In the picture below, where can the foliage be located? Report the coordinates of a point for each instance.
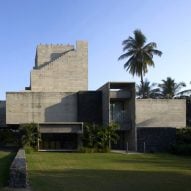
(99, 138)
(29, 135)
(8, 137)
(106, 136)
(169, 87)
(183, 142)
(29, 149)
(181, 149)
(139, 54)
(90, 135)
(150, 90)
(183, 136)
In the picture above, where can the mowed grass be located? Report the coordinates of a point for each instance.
(6, 158)
(108, 172)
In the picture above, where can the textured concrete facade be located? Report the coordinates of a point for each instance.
(161, 113)
(60, 68)
(38, 107)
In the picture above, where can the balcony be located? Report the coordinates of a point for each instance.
(120, 94)
(122, 119)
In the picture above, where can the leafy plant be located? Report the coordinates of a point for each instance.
(99, 138)
(183, 142)
(29, 135)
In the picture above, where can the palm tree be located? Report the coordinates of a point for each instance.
(170, 87)
(139, 54)
(150, 90)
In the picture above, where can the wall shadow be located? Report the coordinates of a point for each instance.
(65, 111)
(5, 163)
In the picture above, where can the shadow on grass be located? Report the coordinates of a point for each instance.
(6, 158)
(172, 162)
(109, 180)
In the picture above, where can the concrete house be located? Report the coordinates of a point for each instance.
(59, 101)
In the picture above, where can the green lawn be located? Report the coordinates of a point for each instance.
(5, 162)
(108, 172)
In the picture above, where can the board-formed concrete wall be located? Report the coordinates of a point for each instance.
(60, 68)
(39, 107)
(161, 113)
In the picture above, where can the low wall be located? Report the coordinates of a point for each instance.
(155, 139)
(18, 171)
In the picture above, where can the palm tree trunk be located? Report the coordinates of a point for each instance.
(142, 83)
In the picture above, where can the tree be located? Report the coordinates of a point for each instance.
(150, 90)
(139, 55)
(169, 87)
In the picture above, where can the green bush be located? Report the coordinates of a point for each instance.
(29, 135)
(94, 150)
(181, 149)
(97, 138)
(183, 142)
(28, 149)
(183, 136)
(8, 137)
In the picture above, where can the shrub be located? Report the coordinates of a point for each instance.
(183, 136)
(29, 135)
(181, 149)
(183, 142)
(8, 137)
(98, 138)
(29, 149)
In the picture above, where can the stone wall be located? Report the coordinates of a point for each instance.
(60, 68)
(38, 107)
(161, 113)
(2, 113)
(18, 171)
(155, 139)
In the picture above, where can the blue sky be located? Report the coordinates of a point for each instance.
(104, 24)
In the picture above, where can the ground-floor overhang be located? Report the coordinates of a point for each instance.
(60, 136)
(61, 127)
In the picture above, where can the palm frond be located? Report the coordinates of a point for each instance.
(126, 55)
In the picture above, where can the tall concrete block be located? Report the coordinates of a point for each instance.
(60, 68)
